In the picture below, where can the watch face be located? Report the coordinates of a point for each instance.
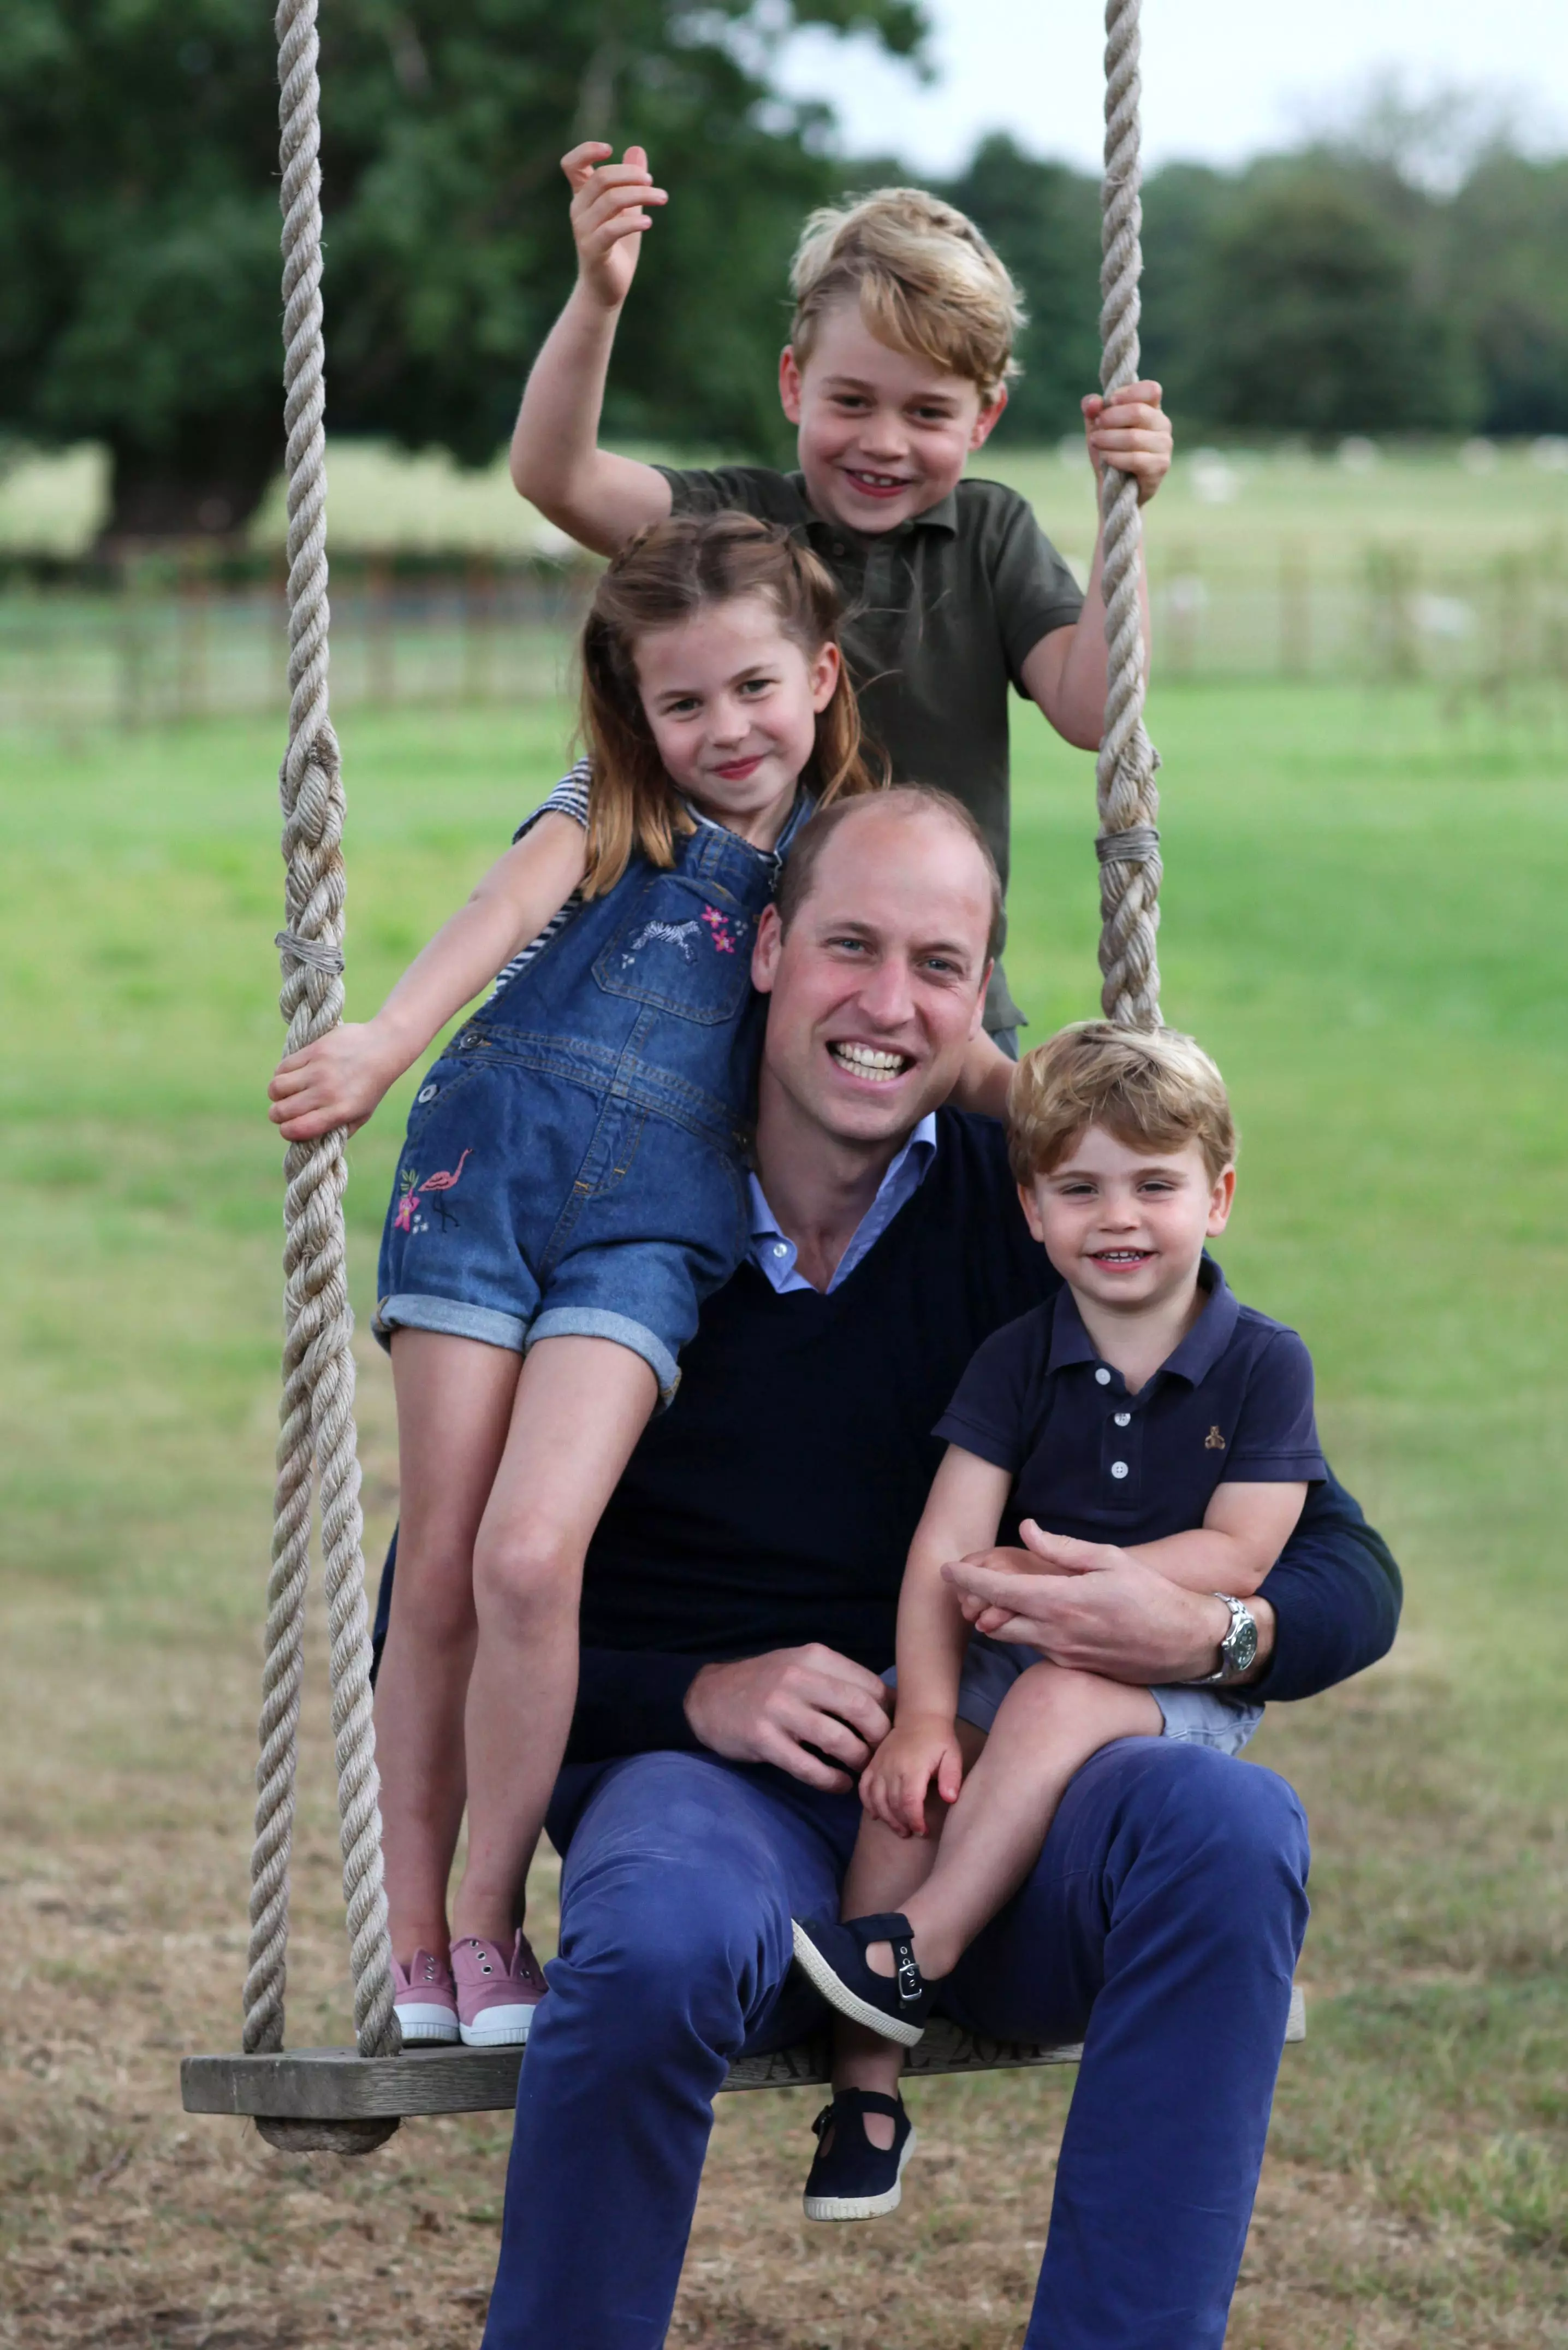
(1241, 1648)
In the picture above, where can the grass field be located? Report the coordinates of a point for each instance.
(1364, 920)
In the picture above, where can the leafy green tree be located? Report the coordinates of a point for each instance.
(140, 302)
(1309, 316)
(1506, 268)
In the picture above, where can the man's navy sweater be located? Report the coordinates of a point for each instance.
(773, 1503)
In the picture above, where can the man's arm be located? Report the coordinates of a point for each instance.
(600, 499)
(1335, 1592)
(807, 1711)
(1328, 1608)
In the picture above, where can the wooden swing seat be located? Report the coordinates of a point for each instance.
(337, 2085)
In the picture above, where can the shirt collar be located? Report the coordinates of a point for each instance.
(1193, 1361)
(774, 1252)
(943, 517)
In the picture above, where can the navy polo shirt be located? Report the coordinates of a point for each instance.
(1087, 1459)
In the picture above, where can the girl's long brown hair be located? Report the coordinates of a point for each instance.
(665, 575)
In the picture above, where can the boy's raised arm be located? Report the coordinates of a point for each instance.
(600, 499)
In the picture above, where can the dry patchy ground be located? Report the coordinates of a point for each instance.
(132, 2225)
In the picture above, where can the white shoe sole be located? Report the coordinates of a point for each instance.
(421, 2020)
(861, 2207)
(848, 2002)
(500, 2027)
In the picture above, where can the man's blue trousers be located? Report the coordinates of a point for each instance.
(1161, 1926)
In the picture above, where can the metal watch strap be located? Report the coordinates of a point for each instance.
(1240, 1614)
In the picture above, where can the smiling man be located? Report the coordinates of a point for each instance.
(896, 372)
(739, 1611)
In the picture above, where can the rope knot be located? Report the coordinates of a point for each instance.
(1131, 845)
(311, 951)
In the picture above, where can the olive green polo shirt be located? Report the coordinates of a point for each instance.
(941, 614)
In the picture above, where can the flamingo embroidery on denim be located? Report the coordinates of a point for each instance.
(408, 1218)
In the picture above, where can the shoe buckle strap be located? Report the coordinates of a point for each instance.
(907, 1974)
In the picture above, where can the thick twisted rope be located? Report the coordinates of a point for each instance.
(1129, 844)
(316, 1416)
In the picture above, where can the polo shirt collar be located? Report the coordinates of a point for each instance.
(942, 516)
(1193, 1361)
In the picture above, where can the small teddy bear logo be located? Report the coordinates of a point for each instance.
(1214, 1442)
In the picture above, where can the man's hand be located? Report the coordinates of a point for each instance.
(775, 1708)
(918, 1752)
(1094, 1607)
(610, 213)
(1131, 432)
(336, 1081)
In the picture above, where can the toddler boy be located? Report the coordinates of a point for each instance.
(896, 368)
(1143, 1406)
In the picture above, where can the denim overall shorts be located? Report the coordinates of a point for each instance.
(574, 1164)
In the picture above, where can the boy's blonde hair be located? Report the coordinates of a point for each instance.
(1153, 1090)
(926, 282)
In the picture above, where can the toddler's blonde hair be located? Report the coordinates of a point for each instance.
(927, 283)
(1153, 1089)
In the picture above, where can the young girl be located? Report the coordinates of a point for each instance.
(1141, 1406)
(570, 1190)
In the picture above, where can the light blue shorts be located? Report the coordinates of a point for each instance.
(1222, 1719)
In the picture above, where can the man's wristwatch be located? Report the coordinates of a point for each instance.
(1238, 1648)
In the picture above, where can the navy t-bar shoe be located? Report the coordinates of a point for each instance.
(833, 1956)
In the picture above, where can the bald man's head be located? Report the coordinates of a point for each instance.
(904, 803)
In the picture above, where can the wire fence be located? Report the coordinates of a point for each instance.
(153, 650)
(175, 640)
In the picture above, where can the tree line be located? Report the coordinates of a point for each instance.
(1319, 293)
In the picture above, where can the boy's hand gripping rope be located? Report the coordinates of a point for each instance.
(1128, 842)
(316, 1418)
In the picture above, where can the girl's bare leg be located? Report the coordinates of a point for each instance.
(1047, 1726)
(455, 1406)
(884, 1870)
(580, 1405)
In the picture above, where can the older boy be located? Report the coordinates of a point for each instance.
(895, 370)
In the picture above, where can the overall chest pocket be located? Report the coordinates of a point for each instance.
(684, 949)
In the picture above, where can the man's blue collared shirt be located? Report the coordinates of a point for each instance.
(775, 1255)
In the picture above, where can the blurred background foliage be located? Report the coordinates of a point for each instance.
(1408, 274)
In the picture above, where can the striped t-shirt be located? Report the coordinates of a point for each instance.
(570, 798)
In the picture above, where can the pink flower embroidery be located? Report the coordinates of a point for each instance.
(718, 929)
(404, 1222)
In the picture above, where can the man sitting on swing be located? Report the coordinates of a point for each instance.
(739, 1609)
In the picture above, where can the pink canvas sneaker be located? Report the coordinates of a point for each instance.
(497, 1997)
(425, 1999)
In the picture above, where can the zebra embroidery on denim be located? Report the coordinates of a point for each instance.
(673, 934)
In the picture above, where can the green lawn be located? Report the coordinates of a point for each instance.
(1363, 921)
